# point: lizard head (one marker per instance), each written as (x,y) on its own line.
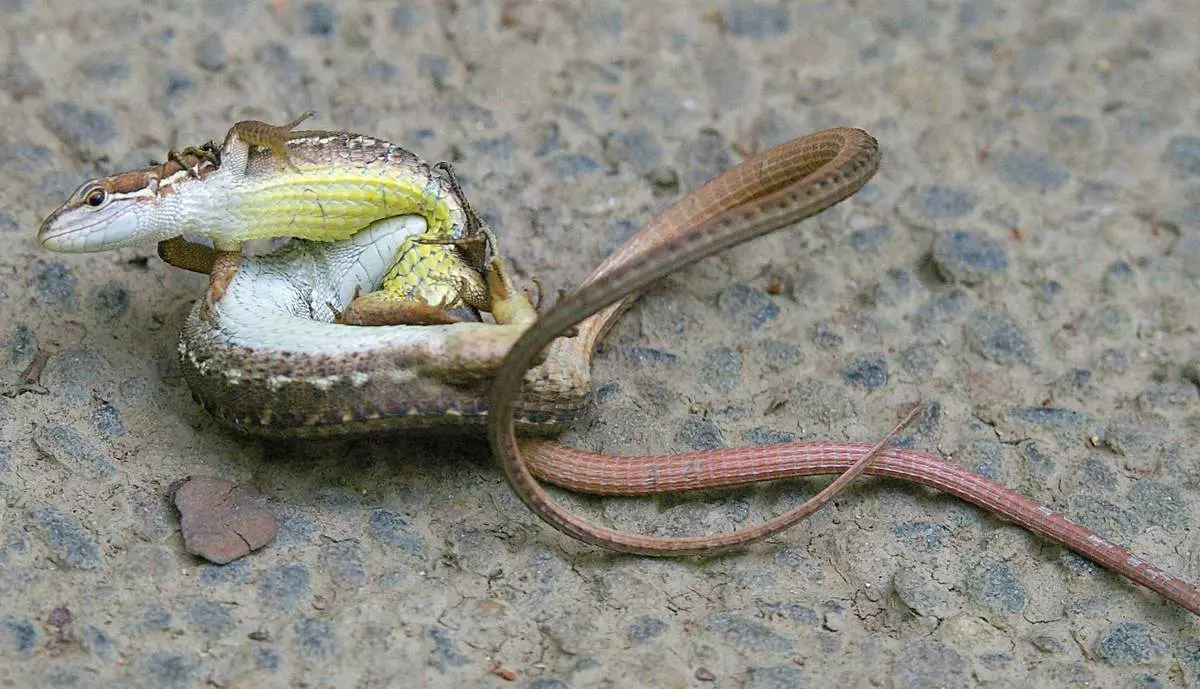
(121,210)
(104,213)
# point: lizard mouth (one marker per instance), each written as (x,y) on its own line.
(56,235)
(68,231)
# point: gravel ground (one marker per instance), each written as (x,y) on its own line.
(1027,259)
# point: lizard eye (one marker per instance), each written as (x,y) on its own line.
(95,198)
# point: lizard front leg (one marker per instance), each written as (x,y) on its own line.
(193,256)
(223,260)
(219,263)
(227,258)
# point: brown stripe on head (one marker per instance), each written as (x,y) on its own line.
(187,161)
(160,177)
(129,182)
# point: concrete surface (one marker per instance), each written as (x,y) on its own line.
(1031,243)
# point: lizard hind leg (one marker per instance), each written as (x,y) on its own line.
(509,305)
(427,284)
(273,137)
(385,307)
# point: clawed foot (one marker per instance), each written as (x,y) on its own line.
(386,308)
(224,268)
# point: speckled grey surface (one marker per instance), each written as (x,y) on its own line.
(1028,258)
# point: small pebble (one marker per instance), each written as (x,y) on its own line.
(1029,170)
(19,80)
(1047,644)
(111,301)
(781,355)
(758,20)
(70,448)
(170,670)
(865,372)
(968,257)
(284,586)
(916,590)
(939,201)
(823,335)
(699,434)
(572,165)
(920,536)
(69,543)
(445,653)
(1160,504)
(995,586)
(393,529)
(766,436)
(18,634)
(928,663)
(995,336)
(1130,643)
(747,307)
(500,148)
(1183,153)
(547,137)
(177,85)
(78,126)
(211,55)
(210,617)
(315,638)
(54,282)
(8,223)
(722,368)
(636,146)
(650,355)
(104,68)
(872,239)
(407,18)
(703,158)
(277,58)
(318,19)
(777,677)
(747,634)
(646,628)
(107,420)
